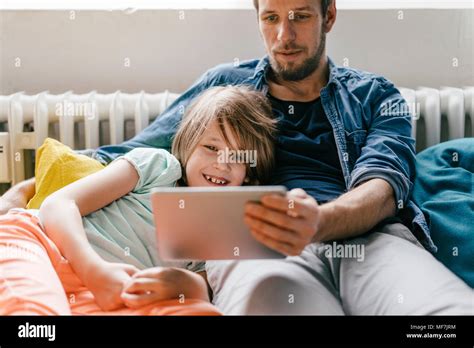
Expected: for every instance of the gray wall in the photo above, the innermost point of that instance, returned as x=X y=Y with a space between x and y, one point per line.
x=166 y=52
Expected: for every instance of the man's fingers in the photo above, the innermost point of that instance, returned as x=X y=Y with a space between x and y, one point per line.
x=276 y=218
x=282 y=248
x=292 y=205
x=278 y=234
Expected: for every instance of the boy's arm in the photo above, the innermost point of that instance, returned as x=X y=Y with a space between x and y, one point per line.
x=61 y=212
x=157 y=135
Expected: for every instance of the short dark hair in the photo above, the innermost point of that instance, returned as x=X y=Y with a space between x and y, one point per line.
x=324 y=5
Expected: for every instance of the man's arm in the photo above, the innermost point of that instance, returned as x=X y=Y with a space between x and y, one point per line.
x=356 y=211
x=380 y=185
x=288 y=224
x=17 y=196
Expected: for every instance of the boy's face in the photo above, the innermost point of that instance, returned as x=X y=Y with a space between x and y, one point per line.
x=206 y=168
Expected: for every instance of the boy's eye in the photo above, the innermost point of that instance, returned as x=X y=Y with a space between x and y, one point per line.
x=210 y=147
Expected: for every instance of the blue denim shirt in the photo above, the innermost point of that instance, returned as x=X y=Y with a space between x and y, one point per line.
x=369 y=117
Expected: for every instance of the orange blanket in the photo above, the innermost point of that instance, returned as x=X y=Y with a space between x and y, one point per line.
x=35 y=279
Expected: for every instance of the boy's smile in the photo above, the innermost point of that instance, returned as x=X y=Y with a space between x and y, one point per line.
x=204 y=167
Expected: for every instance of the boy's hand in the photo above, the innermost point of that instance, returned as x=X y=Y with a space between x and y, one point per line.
x=107 y=281
x=17 y=196
x=163 y=283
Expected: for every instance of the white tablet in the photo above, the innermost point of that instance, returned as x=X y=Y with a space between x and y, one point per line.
x=206 y=223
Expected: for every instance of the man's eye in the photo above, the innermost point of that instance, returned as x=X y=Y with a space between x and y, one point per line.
x=271 y=19
x=210 y=147
x=301 y=17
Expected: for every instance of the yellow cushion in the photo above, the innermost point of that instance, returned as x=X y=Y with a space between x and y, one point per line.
x=57 y=166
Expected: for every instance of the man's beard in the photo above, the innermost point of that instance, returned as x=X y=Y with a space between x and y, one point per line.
x=307 y=68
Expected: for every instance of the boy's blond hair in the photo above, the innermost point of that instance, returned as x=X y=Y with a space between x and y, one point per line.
x=248 y=115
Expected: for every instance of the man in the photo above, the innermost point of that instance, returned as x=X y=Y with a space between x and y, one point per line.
x=349 y=158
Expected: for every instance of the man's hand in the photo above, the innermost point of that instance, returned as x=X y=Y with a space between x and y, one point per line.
x=107 y=281
x=284 y=223
x=163 y=283
x=17 y=196
x=287 y=224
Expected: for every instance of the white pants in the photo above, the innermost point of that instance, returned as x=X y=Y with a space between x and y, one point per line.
x=395 y=276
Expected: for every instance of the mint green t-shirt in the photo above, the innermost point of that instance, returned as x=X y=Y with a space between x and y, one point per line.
x=124 y=230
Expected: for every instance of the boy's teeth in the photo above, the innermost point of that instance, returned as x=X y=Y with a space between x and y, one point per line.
x=214 y=180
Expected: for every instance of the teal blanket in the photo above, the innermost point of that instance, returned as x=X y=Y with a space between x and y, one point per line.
x=444 y=191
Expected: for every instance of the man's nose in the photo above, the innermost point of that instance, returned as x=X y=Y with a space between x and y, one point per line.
x=286 y=30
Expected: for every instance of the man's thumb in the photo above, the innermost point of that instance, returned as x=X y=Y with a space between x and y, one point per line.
x=297 y=192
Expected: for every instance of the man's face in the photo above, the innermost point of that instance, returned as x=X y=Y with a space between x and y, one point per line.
x=294 y=36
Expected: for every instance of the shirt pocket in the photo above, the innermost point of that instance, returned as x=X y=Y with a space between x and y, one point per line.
x=355 y=141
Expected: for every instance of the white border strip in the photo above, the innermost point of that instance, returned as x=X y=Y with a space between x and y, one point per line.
x=403 y=4
x=219 y=4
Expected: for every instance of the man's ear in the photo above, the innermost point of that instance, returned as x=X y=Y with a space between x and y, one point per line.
x=330 y=18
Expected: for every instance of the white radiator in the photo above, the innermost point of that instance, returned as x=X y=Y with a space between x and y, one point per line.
x=78 y=120
x=446 y=114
